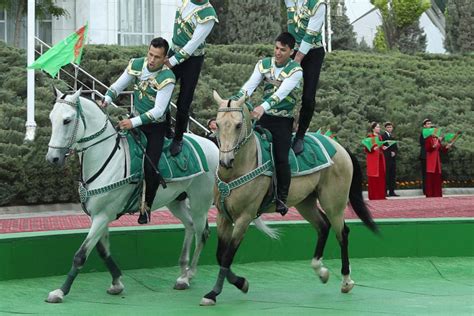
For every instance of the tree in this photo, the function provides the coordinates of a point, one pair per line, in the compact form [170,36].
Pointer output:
[380,42]
[343,36]
[398,17]
[218,34]
[363,46]
[19,8]
[459,31]
[253,21]
[412,39]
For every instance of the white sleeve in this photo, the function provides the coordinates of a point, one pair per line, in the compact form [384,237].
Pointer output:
[162,100]
[290,3]
[288,85]
[253,82]
[315,24]
[118,86]
[199,36]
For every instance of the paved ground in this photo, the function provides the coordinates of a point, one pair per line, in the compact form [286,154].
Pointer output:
[384,286]
[400,207]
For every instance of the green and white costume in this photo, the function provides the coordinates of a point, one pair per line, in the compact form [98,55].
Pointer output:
[305,22]
[193,23]
[151,91]
[280,85]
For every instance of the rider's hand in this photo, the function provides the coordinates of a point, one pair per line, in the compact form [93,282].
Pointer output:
[103,103]
[125,124]
[258,112]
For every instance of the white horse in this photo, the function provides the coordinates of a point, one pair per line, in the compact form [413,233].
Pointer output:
[79,124]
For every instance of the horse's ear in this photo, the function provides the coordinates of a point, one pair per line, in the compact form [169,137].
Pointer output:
[241,101]
[218,99]
[58,94]
[77,94]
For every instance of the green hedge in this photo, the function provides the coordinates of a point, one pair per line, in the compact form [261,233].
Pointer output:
[355,88]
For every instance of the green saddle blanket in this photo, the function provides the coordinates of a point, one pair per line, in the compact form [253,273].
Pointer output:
[190,163]
[316,156]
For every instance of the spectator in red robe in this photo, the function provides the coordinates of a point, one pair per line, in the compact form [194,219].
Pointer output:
[433,179]
[376,164]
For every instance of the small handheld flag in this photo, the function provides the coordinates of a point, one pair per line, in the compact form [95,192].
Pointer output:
[369,142]
[434,131]
[452,137]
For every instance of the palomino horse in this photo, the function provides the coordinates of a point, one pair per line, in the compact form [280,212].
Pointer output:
[79,124]
[333,187]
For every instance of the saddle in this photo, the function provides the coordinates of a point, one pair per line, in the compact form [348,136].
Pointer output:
[190,163]
[316,156]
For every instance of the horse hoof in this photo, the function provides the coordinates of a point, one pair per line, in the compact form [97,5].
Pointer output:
[347,286]
[181,286]
[55,296]
[245,287]
[115,289]
[324,275]
[207,302]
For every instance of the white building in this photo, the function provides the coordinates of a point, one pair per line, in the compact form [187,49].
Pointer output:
[122,22]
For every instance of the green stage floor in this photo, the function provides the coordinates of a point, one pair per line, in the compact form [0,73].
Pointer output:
[384,286]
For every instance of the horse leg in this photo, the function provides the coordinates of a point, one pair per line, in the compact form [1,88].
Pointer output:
[229,242]
[347,283]
[99,224]
[181,211]
[334,209]
[309,210]
[201,235]
[103,248]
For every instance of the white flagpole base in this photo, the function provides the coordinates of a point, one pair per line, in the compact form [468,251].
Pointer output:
[30,131]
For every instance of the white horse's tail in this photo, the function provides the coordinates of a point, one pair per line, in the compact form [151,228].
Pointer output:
[270,232]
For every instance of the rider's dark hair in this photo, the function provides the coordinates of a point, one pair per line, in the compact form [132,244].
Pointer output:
[160,42]
[286,39]
[372,125]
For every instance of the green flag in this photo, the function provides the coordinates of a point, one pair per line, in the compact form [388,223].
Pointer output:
[389,143]
[427,132]
[452,137]
[369,142]
[65,52]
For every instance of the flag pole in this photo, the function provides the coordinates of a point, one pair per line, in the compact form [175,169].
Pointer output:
[30,97]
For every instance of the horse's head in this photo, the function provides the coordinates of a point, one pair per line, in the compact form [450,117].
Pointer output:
[234,128]
[65,122]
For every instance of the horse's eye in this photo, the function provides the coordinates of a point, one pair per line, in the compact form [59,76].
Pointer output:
[238,126]
[66,121]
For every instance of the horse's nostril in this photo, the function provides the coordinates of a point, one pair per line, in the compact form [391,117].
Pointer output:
[56,159]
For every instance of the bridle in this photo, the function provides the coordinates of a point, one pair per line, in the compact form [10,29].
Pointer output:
[244,135]
[80,117]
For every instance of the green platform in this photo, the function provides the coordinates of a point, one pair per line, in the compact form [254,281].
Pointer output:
[385,286]
[416,267]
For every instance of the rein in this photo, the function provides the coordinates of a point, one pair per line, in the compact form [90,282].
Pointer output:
[225,188]
[80,114]
[241,140]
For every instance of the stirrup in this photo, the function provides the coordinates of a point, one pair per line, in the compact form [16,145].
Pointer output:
[145,215]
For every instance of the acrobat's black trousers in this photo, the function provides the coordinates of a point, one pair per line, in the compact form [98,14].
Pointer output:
[155,135]
[311,64]
[281,130]
[188,74]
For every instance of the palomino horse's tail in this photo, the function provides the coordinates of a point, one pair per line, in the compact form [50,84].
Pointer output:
[356,199]
[264,228]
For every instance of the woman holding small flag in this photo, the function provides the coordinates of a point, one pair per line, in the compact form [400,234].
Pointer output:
[433,146]
[374,148]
